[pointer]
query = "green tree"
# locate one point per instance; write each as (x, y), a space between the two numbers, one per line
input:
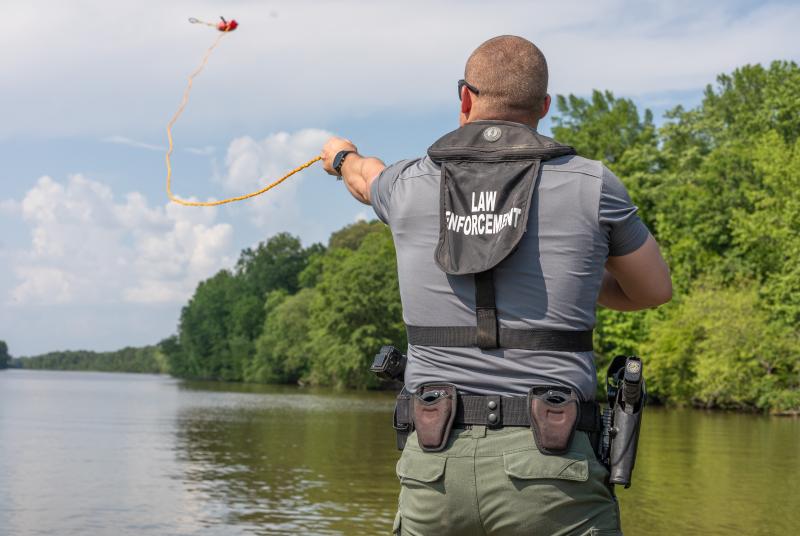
(147, 359)
(712, 173)
(766, 231)
(351, 236)
(355, 311)
(225, 316)
(205, 328)
(272, 265)
(283, 353)
(5, 357)
(719, 349)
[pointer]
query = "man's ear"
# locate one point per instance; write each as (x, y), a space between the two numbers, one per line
(546, 106)
(466, 101)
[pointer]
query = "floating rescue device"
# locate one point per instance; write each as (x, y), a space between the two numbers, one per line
(225, 27)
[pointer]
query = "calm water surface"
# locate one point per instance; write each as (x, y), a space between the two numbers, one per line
(97, 454)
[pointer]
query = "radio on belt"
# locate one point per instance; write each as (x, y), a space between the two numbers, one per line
(389, 363)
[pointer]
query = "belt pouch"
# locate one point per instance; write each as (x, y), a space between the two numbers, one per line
(554, 416)
(434, 413)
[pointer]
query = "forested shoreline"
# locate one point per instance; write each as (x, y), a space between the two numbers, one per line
(146, 359)
(719, 187)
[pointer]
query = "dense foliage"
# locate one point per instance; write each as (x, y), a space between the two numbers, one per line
(146, 359)
(319, 321)
(719, 187)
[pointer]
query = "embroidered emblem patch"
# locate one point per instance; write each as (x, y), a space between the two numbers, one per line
(492, 134)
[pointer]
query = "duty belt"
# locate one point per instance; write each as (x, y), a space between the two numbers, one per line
(494, 412)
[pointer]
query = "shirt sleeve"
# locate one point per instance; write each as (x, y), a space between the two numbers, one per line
(382, 187)
(618, 217)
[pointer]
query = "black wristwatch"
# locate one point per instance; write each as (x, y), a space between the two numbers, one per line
(338, 160)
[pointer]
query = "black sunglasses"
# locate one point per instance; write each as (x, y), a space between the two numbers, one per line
(462, 83)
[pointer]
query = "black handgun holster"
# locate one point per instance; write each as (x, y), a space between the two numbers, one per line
(622, 456)
(554, 418)
(434, 416)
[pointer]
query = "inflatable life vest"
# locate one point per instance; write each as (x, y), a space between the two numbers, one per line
(489, 172)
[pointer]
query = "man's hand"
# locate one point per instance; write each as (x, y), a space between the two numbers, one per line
(358, 172)
(332, 147)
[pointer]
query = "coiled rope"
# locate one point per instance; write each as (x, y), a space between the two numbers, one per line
(223, 32)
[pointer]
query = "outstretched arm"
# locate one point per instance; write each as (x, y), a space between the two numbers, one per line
(358, 171)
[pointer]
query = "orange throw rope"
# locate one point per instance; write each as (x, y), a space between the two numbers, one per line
(184, 101)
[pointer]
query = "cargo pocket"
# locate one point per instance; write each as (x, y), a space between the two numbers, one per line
(423, 502)
(420, 467)
(531, 464)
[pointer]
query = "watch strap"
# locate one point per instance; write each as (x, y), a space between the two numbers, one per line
(338, 160)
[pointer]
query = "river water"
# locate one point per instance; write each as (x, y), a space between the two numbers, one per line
(115, 454)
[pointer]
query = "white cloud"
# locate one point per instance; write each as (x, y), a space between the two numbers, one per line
(87, 248)
(122, 140)
(42, 284)
(253, 164)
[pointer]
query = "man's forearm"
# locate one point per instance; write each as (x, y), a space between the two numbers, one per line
(612, 296)
(358, 173)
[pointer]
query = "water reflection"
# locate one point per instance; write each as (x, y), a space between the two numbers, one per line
(289, 462)
(715, 473)
(118, 454)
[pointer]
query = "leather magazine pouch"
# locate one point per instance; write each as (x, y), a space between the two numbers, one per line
(554, 416)
(434, 412)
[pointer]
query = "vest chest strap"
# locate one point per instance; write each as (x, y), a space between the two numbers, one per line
(525, 339)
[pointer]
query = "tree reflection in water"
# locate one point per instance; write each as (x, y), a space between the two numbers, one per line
(280, 460)
(286, 461)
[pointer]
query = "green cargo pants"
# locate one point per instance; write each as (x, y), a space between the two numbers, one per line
(497, 483)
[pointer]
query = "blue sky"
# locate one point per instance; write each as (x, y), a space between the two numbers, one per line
(91, 254)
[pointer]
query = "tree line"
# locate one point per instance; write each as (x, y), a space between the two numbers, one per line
(147, 359)
(717, 184)
(5, 357)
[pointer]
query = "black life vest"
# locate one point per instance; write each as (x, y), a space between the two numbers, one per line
(489, 172)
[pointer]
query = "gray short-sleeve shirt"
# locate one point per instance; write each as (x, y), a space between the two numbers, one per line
(581, 214)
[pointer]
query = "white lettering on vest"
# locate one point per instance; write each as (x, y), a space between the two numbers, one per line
(484, 223)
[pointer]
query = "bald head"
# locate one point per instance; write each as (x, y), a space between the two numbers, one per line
(511, 75)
